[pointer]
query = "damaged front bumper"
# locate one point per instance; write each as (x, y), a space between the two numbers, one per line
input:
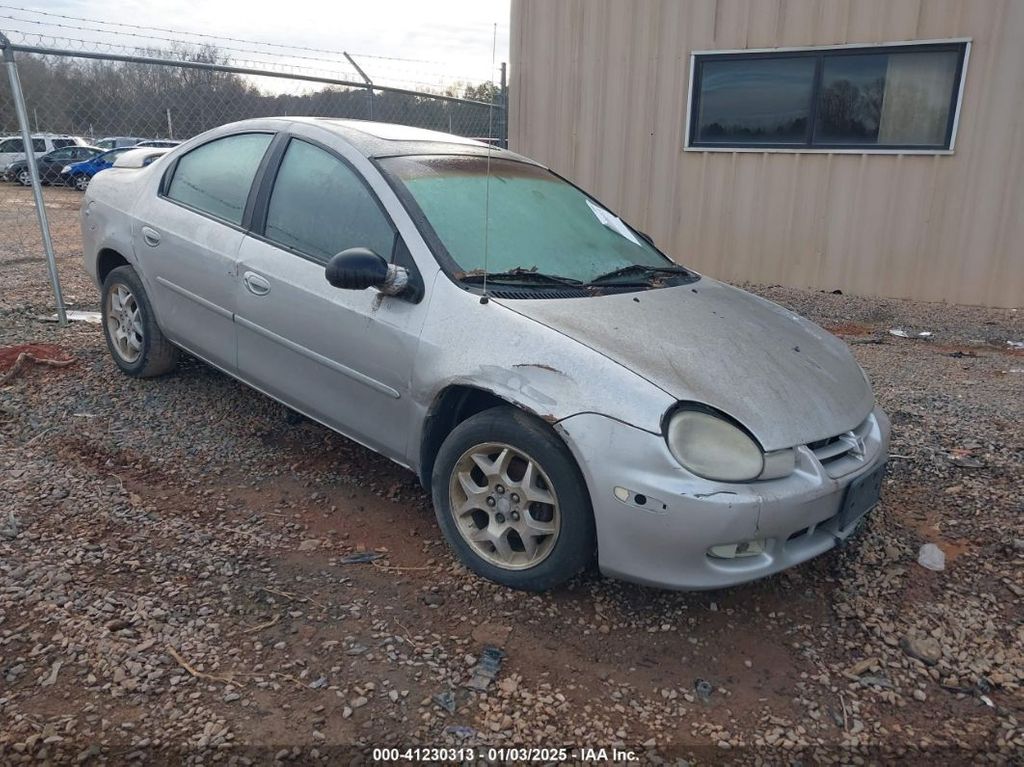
(659, 525)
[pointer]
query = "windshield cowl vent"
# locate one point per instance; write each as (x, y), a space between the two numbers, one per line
(545, 292)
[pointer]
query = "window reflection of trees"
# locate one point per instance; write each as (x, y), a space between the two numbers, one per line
(850, 111)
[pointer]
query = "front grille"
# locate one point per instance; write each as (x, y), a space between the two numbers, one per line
(826, 450)
(841, 453)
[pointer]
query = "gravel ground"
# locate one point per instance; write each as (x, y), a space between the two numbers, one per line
(173, 583)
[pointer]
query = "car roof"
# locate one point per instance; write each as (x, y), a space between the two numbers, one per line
(379, 139)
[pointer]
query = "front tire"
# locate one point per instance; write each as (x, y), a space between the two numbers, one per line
(512, 502)
(134, 339)
(80, 182)
(24, 178)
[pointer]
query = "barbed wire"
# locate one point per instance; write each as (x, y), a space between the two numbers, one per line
(49, 40)
(351, 73)
(219, 40)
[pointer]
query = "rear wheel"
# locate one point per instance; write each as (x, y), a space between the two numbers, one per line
(136, 342)
(512, 502)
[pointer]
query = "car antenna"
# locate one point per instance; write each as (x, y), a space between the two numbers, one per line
(487, 181)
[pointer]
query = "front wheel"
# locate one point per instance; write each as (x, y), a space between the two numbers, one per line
(511, 501)
(136, 342)
(81, 182)
(24, 178)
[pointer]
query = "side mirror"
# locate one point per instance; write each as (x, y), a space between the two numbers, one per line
(361, 268)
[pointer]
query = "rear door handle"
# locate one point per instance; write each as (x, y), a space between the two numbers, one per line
(150, 236)
(255, 284)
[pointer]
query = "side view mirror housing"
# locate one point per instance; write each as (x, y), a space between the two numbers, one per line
(361, 268)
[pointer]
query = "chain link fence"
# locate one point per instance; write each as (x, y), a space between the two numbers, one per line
(113, 94)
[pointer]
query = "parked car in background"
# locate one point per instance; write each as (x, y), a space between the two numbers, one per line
(12, 148)
(79, 174)
(116, 142)
(140, 156)
(51, 164)
(159, 142)
(563, 389)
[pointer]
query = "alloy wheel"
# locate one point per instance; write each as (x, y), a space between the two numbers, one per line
(81, 182)
(124, 323)
(504, 505)
(24, 178)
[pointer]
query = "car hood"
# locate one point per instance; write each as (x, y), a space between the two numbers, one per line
(783, 377)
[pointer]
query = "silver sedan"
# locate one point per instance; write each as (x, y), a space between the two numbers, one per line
(566, 392)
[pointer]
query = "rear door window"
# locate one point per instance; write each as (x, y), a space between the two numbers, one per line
(38, 145)
(215, 178)
(320, 206)
(62, 142)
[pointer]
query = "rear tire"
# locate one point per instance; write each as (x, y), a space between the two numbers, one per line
(134, 339)
(512, 502)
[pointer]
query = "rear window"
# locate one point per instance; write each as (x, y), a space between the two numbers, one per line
(215, 178)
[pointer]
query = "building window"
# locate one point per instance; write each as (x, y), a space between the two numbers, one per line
(899, 97)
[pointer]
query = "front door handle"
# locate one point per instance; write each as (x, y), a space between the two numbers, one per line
(150, 236)
(255, 284)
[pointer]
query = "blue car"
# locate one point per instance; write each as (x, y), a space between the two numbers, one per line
(79, 174)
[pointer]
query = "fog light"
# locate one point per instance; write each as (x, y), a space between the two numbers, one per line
(736, 550)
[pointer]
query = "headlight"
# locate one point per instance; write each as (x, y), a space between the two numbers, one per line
(711, 447)
(66, 169)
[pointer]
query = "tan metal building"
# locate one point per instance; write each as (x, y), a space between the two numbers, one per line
(872, 146)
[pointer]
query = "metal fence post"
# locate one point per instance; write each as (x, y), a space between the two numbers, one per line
(33, 170)
(362, 74)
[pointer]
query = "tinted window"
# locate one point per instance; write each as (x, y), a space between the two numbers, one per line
(215, 177)
(535, 220)
(60, 142)
(12, 145)
(887, 97)
(755, 100)
(60, 154)
(38, 145)
(319, 206)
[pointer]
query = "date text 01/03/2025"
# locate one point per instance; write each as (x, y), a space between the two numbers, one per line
(500, 754)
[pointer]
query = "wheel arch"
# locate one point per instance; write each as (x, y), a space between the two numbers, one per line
(107, 260)
(450, 407)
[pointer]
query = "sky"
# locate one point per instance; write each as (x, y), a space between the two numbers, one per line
(405, 43)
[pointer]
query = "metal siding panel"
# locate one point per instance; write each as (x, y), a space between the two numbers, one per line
(990, 175)
(603, 99)
(796, 22)
(762, 24)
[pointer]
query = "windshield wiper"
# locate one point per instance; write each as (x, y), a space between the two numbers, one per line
(519, 275)
(645, 273)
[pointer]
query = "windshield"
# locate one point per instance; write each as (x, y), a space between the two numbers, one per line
(538, 222)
